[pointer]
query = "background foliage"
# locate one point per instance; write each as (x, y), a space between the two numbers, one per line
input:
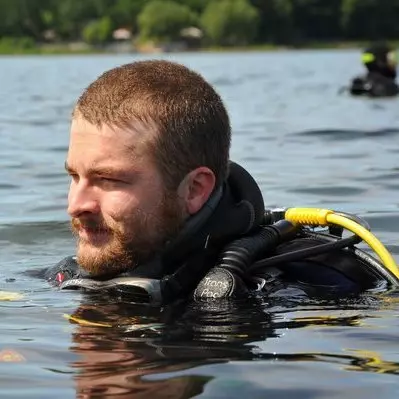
(223, 22)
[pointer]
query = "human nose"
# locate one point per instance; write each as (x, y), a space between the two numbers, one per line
(81, 199)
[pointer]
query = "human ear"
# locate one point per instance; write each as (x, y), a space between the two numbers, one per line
(196, 187)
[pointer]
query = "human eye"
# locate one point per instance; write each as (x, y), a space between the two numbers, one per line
(109, 178)
(71, 172)
(73, 175)
(108, 181)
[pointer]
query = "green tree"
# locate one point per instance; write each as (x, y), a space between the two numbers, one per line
(124, 13)
(370, 19)
(317, 19)
(230, 22)
(276, 20)
(71, 16)
(163, 20)
(98, 31)
(23, 17)
(197, 6)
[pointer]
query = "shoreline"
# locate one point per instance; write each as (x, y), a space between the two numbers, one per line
(84, 49)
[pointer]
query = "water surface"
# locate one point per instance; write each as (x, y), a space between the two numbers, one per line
(305, 141)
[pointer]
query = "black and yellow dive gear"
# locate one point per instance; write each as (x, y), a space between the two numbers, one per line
(326, 217)
(248, 258)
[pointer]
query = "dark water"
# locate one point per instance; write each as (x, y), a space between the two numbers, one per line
(305, 142)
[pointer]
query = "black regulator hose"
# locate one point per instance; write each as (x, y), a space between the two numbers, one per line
(304, 253)
(226, 278)
(240, 254)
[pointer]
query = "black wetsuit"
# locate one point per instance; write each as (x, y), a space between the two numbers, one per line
(374, 84)
(187, 266)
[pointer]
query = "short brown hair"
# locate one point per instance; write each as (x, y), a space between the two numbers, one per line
(192, 122)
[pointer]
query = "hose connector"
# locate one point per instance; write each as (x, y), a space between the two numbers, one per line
(308, 216)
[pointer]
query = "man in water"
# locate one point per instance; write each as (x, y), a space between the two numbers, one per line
(155, 203)
(380, 61)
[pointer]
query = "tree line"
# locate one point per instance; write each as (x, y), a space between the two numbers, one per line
(221, 22)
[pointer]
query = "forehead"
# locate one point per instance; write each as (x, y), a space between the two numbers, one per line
(108, 142)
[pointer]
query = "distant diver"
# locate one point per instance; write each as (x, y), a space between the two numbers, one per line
(380, 61)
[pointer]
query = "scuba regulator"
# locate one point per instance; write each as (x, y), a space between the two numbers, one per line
(244, 258)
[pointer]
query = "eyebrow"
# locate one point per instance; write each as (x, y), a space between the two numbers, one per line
(96, 170)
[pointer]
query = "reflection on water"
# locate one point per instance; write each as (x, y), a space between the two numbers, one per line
(126, 350)
(307, 144)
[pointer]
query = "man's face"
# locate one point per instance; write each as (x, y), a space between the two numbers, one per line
(120, 210)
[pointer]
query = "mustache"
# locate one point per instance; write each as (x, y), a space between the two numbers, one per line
(88, 224)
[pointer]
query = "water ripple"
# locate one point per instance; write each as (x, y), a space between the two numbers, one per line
(32, 233)
(329, 191)
(348, 134)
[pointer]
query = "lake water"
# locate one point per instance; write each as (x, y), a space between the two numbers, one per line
(306, 142)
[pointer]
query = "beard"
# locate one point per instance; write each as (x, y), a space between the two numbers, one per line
(142, 237)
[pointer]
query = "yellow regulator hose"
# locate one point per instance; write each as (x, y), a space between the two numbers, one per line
(323, 217)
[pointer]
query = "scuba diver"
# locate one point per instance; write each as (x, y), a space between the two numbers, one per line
(380, 61)
(162, 214)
